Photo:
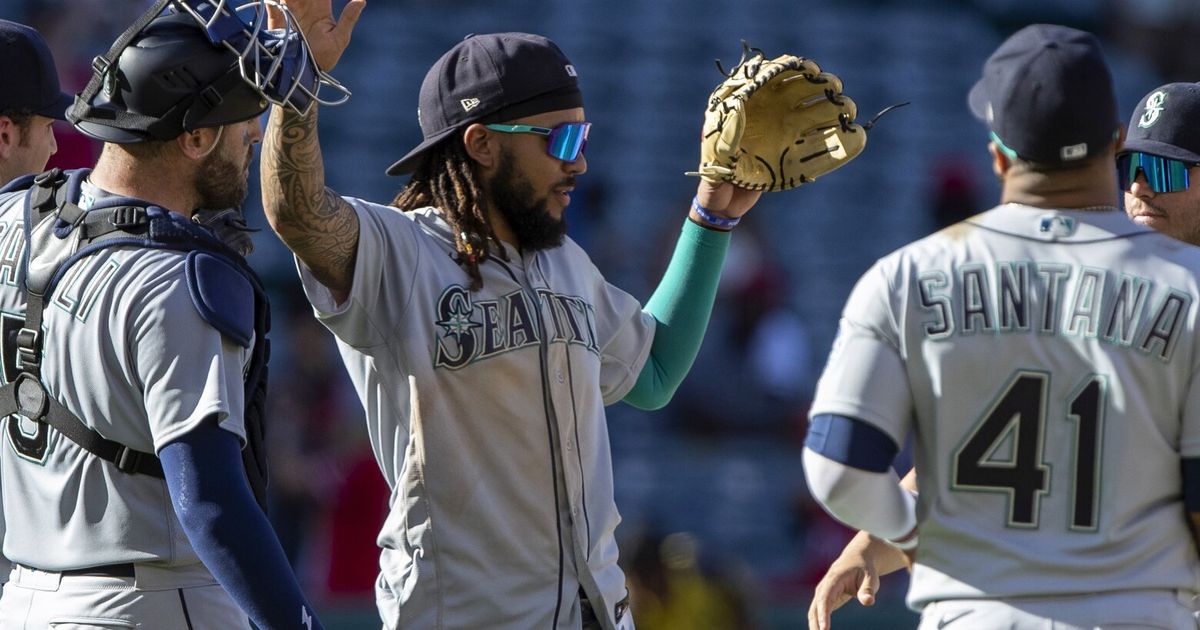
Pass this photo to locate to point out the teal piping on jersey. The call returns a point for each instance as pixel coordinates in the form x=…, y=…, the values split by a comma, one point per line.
x=681, y=305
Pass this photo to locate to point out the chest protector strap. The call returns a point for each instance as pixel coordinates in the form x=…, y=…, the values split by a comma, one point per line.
x=58, y=234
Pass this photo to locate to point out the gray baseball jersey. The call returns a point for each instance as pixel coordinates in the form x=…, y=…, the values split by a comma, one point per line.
x=486, y=413
x=127, y=351
x=1048, y=365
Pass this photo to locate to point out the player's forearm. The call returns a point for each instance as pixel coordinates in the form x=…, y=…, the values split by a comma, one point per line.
x=228, y=531
x=909, y=482
x=1194, y=526
x=681, y=306
x=876, y=551
x=884, y=557
x=314, y=222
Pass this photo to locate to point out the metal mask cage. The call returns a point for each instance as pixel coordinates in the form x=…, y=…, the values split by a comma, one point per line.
x=276, y=62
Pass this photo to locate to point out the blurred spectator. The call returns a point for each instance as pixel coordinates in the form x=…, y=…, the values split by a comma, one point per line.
x=757, y=348
x=358, y=511
x=325, y=508
x=952, y=191
x=669, y=590
x=1159, y=30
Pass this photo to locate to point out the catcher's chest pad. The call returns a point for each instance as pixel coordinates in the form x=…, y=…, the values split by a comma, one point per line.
x=60, y=234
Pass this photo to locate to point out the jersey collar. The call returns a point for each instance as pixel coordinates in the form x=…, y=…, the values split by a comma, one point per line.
x=1058, y=224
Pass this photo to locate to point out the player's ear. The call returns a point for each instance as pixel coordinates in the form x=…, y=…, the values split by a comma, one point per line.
x=8, y=137
x=1000, y=162
x=199, y=143
x=1119, y=141
x=481, y=145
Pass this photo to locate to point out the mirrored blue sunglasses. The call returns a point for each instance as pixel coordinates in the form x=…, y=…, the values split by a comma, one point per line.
x=1164, y=175
x=565, y=142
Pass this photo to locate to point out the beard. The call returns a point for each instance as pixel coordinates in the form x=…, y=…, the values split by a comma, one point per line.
x=526, y=214
x=221, y=183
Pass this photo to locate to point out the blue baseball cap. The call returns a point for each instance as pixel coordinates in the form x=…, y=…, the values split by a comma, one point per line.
x=490, y=78
x=1165, y=123
x=28, y=78
x=1047, y=94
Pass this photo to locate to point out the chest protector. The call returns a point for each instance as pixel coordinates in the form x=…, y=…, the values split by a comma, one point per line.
x=226, y=292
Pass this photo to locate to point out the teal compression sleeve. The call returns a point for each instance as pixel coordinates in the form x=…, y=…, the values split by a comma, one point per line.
x=681, y=305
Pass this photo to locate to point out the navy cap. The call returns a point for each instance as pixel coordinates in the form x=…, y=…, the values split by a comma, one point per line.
x=495, y=77
x=1047, y=93
x=28, y=78
x=1165, y=123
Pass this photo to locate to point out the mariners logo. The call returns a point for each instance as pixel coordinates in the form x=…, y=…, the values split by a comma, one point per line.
x=1154, y=108
x=473, y=329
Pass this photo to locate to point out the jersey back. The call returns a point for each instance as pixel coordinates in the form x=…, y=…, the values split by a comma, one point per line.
x=1046, y=365
x=126, y=350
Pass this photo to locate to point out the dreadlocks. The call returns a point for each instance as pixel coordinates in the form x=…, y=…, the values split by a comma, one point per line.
x=445, y=180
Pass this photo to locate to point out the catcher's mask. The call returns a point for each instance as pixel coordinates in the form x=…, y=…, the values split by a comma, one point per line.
x=189, y=64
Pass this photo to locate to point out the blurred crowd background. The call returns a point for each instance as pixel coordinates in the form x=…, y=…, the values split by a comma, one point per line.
x=718, y=531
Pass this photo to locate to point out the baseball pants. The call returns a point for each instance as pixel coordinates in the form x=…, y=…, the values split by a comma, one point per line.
x=1133, y=610
x=151, y=597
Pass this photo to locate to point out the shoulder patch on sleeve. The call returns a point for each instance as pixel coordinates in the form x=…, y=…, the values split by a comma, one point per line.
x=222, y=295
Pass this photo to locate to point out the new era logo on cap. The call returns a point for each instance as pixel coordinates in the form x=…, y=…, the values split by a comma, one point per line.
x=490, y=78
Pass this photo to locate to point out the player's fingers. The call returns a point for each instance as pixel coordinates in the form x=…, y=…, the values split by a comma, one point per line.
x=866, y=591
x=275, y=17
x=349, y=17
x=818, y=614
x=829, y=596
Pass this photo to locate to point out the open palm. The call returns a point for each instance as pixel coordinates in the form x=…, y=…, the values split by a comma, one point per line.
x=327, y=38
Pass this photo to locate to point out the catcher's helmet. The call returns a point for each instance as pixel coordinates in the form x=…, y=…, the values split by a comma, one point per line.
x=197, y=64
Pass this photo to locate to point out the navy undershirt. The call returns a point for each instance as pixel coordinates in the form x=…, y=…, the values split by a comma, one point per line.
x=229, y=532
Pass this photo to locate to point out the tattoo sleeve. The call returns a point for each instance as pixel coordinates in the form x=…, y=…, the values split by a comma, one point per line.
x=313, y=221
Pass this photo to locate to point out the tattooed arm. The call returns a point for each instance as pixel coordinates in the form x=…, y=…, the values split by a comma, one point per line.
x=313, y=221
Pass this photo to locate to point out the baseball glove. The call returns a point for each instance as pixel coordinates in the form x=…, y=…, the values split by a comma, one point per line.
x=776, y=124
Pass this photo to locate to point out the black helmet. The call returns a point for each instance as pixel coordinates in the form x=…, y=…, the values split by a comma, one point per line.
x=175, y=75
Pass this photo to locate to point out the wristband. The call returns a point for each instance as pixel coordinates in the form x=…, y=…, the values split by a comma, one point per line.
x=710, y=218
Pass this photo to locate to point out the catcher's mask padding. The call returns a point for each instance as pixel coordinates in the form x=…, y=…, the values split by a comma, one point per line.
x=169, y=80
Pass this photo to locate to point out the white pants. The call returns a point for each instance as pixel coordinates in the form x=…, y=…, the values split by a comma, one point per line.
x=1133, y=610
x=186, y=598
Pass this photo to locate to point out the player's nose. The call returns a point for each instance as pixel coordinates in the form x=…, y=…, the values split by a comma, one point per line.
x=1141, y=188
x=578, y=167
x=256, y=132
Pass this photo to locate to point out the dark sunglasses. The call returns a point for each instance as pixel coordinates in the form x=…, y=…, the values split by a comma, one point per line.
x=1163, y=174
x=565, y=142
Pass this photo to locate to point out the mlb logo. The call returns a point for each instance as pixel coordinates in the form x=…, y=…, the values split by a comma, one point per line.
x=1057, y=226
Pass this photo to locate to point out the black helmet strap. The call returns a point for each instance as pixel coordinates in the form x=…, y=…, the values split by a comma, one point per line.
x=102, y=66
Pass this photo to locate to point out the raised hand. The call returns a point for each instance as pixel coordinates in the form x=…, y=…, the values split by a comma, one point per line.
x=327, y=38
x=726, y=199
